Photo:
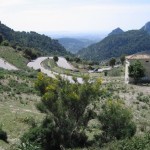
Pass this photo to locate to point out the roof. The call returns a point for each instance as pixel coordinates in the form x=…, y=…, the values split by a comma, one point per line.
x=141, y=55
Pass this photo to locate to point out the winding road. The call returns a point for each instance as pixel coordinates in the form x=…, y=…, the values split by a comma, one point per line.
x=5, y=65
x=62, y=62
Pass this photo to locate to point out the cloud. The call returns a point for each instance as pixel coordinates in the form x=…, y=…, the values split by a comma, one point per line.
x=56, y=15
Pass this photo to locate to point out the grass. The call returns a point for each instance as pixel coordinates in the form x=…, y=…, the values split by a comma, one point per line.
x=17, y=104
x=136, y=97
x=18, y=110
x=51, y=65
x=18, y=97
x=13, y=56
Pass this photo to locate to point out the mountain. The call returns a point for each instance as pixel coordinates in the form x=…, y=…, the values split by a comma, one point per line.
x=32, y=40
x=116, y=31
x=74, y=45
x=129, y=42
x=146, y=27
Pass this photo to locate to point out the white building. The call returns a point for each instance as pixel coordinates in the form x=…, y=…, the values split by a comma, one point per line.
x=144, y=58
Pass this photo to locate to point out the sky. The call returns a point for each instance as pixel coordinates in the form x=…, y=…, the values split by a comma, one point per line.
x=74, y=15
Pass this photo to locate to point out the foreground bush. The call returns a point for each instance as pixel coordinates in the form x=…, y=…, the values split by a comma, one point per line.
x=135, y=143
x=116, y=121
x=64, y=104
x=3, y=135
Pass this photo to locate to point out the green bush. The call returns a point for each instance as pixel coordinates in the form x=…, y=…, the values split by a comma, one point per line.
x=55, y=58
x=136, y=71
x=28, y=146
x=116, y=121
x=143, y=98
x=135, y=143
x=5, y=43
x=64, y=104
x=3, y=135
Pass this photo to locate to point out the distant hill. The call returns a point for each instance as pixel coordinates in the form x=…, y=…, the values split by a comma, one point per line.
x=74, y=45
x=32, y=40
x=116, y=31
x=146, y=27
x=115, y=45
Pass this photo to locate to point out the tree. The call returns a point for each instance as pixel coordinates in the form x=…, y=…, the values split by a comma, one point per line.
x=112, y=62
x=1, y=38
x=5, y=43
x=67, y=58
x=55, y=58
x=77, y=60
x=122, y=59
x=116, y=121
x=30, y=54
x=65, y=104
x=136, y=71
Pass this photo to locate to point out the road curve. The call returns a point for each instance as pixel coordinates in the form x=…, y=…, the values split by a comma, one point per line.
x=5, y=65
x=63, y=63
x=36, y=64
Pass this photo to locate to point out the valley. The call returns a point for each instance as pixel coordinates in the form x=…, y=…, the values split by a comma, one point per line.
x=52, y=99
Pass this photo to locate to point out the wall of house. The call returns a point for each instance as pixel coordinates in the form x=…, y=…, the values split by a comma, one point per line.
x=127, y=64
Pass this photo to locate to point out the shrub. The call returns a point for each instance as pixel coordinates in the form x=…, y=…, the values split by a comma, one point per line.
x=135, y=143
x=112, y=62
x=26, y=145
x=64, y=104
x=55, y=58
x=136, y=71
x=5, y=43
x=116, y=121
x=3, y=135
x=1, y=38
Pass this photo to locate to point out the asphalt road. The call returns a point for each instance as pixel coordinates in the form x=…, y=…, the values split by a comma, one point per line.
x=62, y=62
x=5, y=65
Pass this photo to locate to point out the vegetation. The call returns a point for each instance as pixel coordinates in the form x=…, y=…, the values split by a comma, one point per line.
x=135, y=143
x=3, y=135
x=82, y=67
x=17, y=105
x=129, y=42
x=62, y=104
x=1, y=38
x=112, y=62
x=116, y=121
x=55, y=58
x=98, y=114
x=74, y=45
x=65, y=105
x=31, y=40
x=31, y=53
x=122, y=59
x=136, y=71
x=68, y=116
x=14, y=57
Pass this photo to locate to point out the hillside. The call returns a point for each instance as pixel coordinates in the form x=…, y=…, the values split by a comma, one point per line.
x=14, y=57
x=22, y=99
x=129, y=42
x=74, y=45
x=146, y=27
x=32, y=40
x=116, y=31
x=17, y=97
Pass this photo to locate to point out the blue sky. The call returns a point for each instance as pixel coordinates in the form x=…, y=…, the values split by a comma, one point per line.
x=74, y=15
